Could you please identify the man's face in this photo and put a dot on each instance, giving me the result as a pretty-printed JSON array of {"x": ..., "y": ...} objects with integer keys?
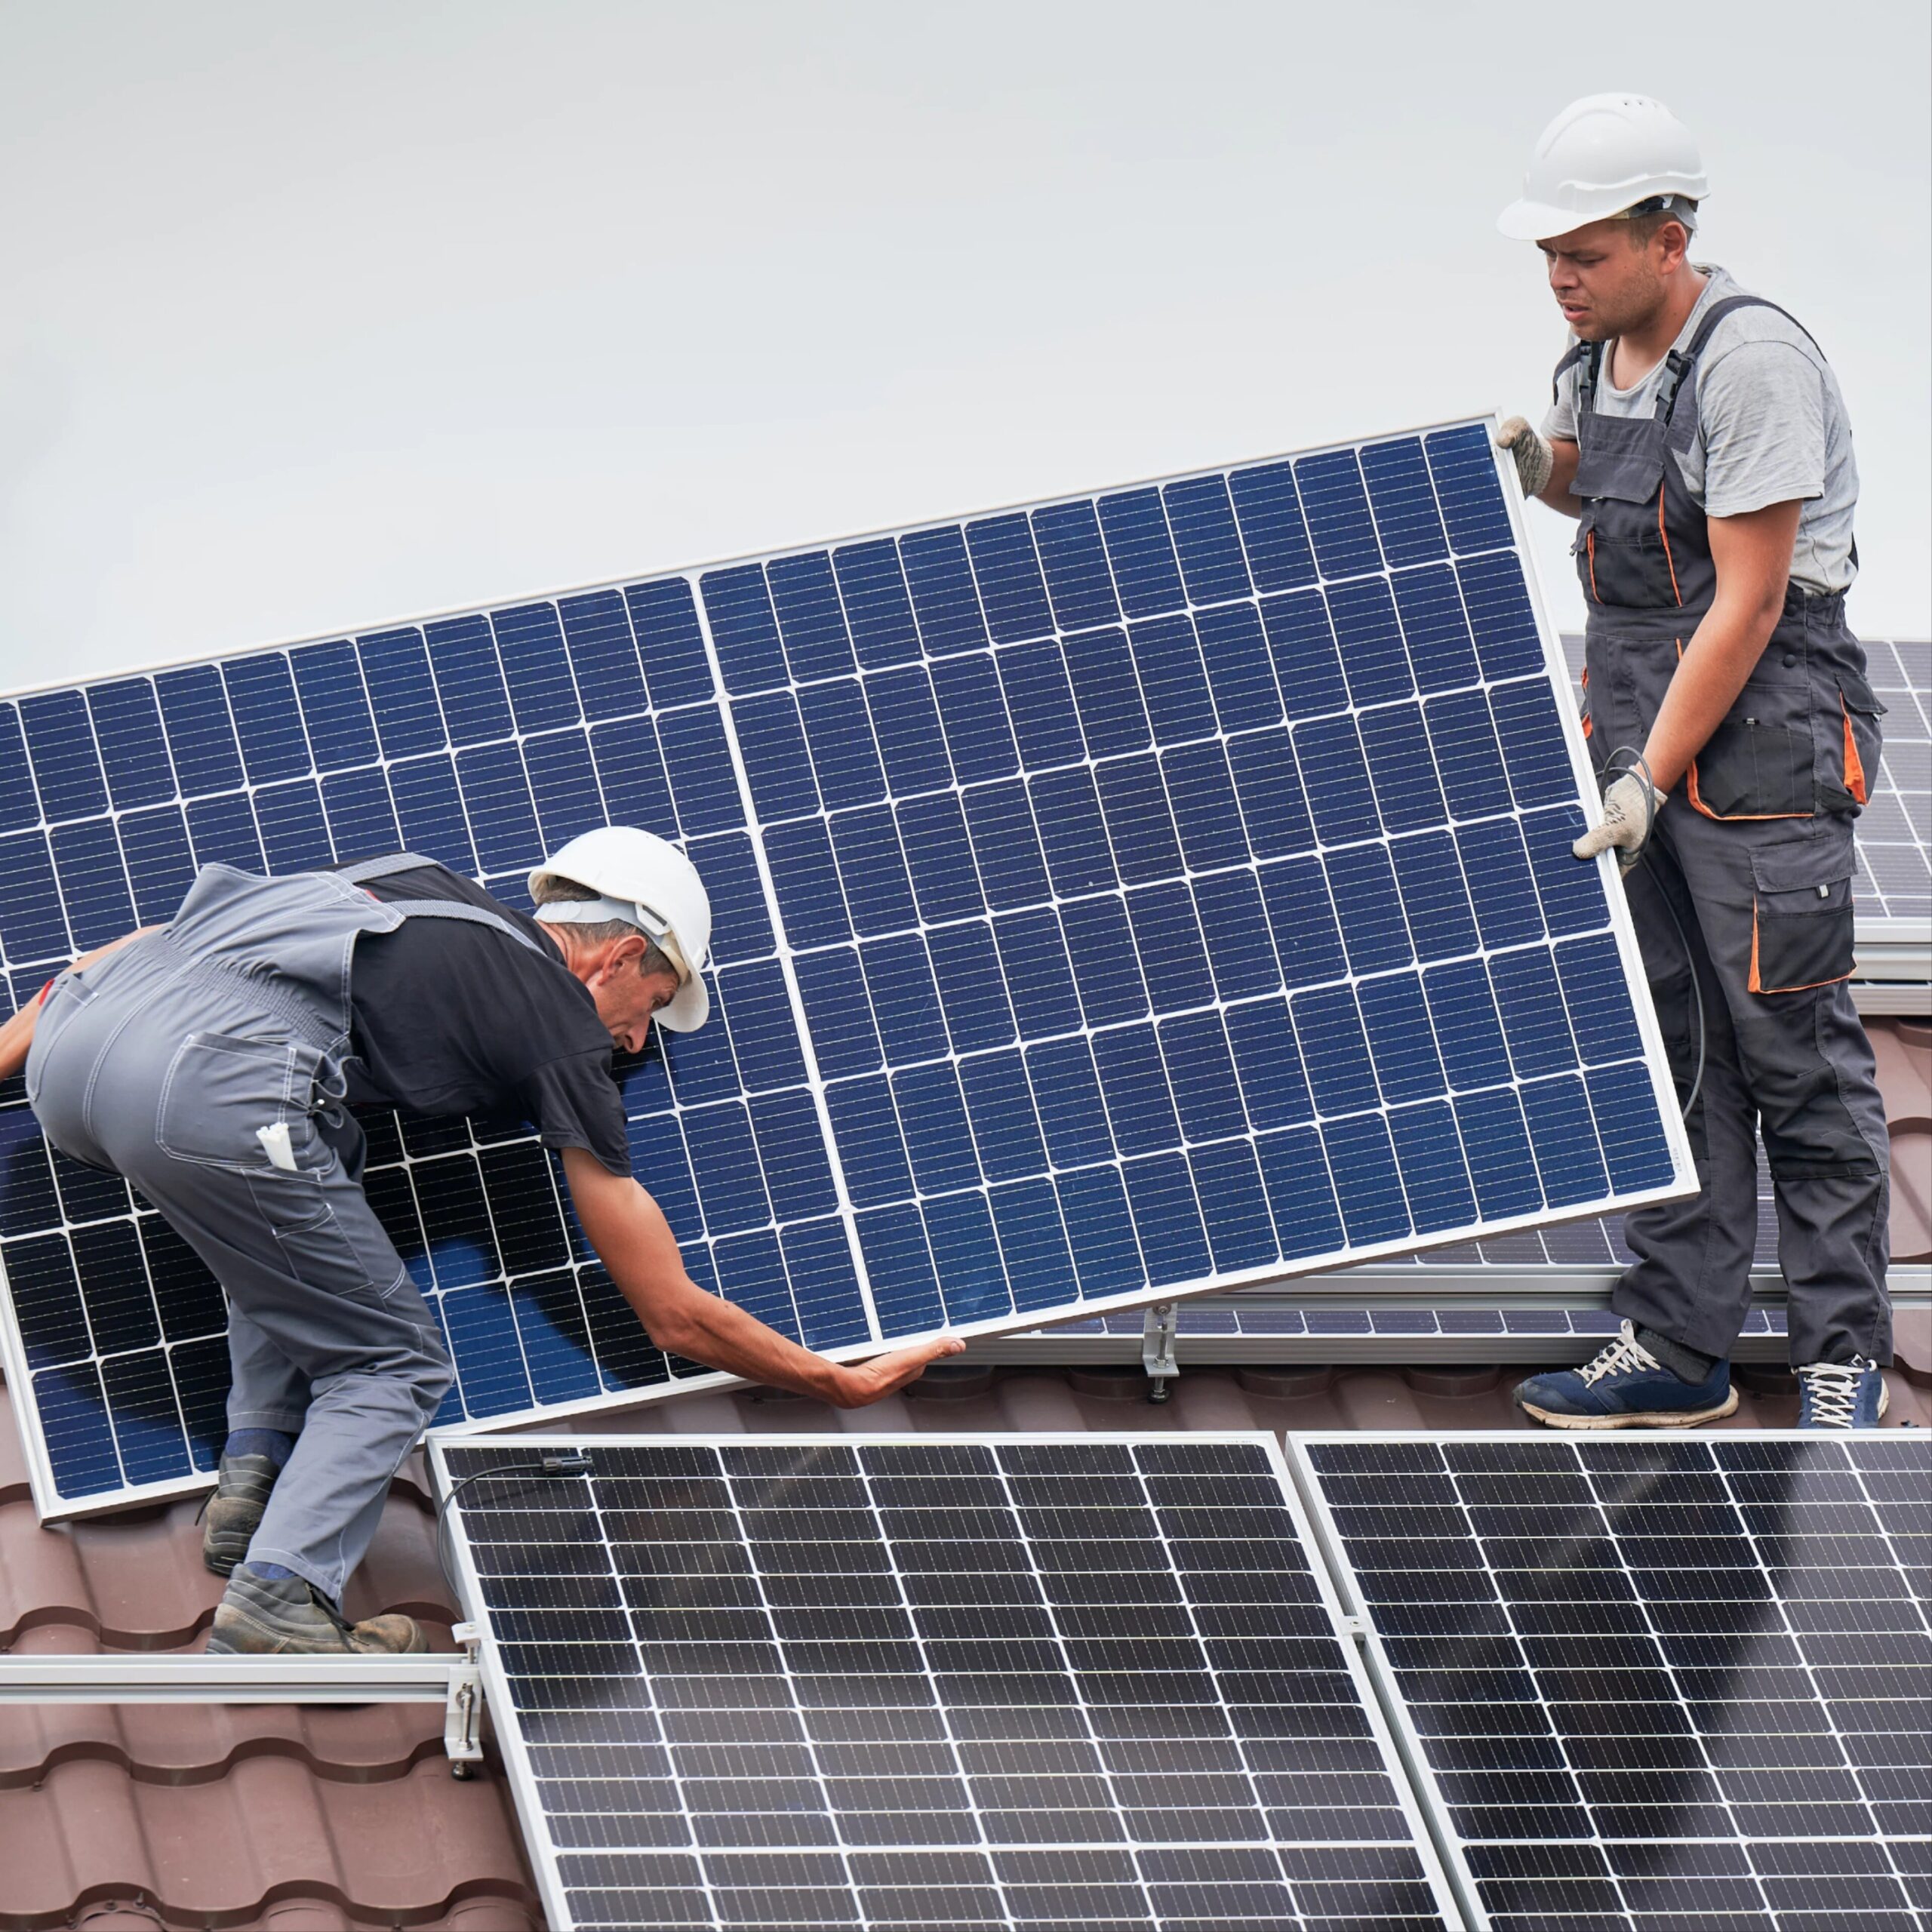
[
  {"x": 1605, "y": 285},
  {"x": 626, "y": 999}
]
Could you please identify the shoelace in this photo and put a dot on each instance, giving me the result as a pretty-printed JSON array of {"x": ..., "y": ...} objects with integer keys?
[
  {"x": 1624, "y": 1356},
  {"x": 1833, "y": 1389}
]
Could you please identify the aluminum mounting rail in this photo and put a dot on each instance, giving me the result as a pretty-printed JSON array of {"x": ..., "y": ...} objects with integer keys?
[{"x": 450, "y": 1679}]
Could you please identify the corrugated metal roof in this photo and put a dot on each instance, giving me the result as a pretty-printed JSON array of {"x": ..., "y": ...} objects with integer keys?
[{"x": 326, "y": 1820}]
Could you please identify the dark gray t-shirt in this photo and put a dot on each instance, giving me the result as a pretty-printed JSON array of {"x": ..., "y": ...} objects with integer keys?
[
  {"x": 452, "y": 1018},
  {"x": 1771, "y": 426}
]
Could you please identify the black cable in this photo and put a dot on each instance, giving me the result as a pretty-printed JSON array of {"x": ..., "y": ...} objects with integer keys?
[
  {"x": 1641, "y": 766},
  {"x": 558, "y": 1463}
]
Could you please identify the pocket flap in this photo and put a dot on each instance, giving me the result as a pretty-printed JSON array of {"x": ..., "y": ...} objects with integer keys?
[
  {"x": 1804, "y": 866},
  {"x": 1859, "y": 696}
]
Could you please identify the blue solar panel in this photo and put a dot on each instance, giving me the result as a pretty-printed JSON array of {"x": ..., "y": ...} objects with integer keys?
[{"x": 1139, "y": 894}]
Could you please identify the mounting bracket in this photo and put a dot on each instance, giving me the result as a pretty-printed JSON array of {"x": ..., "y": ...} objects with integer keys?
[
  {"x": 1157, "y": 1348},
  {"x": 462, "y": 1712}
]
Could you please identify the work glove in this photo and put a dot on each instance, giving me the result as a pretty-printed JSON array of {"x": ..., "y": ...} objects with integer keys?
[
  {"x": 1535, "y": 460},
  {"x": 1630, "y": 808}
]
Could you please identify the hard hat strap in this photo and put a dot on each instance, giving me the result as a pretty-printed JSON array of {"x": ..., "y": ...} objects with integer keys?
[{"x": 631, "y": 912}]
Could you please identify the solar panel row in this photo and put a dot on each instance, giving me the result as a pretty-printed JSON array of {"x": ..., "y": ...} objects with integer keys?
[
  {"x": 1682, "y": 1681},
  {"x": 1133, "y": 893},
  {"x": 1071, "y": 1682}
]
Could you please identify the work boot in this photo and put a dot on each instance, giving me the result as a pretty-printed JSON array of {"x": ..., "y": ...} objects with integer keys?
[
  {"x": 1626, "y": 1387},
  {"x": 288, "y": 1617},
  {"x": 233, "y": 1513},
  {"x": 1847, "y": 1395}
]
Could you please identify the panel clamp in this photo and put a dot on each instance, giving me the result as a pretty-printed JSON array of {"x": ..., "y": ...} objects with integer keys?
[
  {"x": 1157, "y": 1348},
  {"x": 462, "y": 1710}
]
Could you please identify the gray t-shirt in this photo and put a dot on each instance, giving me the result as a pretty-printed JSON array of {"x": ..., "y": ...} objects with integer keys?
[{"x": 1771, "y": 426}]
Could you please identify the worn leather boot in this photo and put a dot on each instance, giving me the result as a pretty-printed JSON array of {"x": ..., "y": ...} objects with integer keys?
[
  {"x": 288, "y": 1617},
  {"x": 234, "y": 1513}
]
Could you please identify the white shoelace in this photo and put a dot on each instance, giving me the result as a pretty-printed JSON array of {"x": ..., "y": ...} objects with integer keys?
[
  {"x": 1834, "y": 1391},
  {"x": 1625, "y": 1356}
]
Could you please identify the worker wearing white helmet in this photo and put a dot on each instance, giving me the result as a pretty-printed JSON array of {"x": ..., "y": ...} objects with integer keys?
[
  {"x": 1697, "y": 435},
  {"x": 208, "y": 1061}
]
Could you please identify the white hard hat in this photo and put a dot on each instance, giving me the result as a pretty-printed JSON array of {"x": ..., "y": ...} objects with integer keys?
[
  {"x": 647, "y": 881},
  {"x": 1601, "y": 156}
]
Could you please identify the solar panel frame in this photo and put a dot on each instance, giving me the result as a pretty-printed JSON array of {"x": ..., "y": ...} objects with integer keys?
[
  {"x": 546, "y": 1854},
  {"x": 751, "y": 638},
  {"x": 1732, "y": 1453}
]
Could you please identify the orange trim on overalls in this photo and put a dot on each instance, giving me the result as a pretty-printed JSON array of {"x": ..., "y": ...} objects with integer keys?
[
  {"x": 1667, "y": 557},
  {"x": 1854, "y": 766},
  {"x": 1754, "y": 984},
  {"x": 1590, "y": 547}
]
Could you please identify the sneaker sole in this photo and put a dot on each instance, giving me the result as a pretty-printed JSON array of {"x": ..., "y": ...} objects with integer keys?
[{"x": 1688, "y": 1419}]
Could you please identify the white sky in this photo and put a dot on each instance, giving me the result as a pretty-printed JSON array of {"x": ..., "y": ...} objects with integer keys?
[{"x": 313, "y": 317}]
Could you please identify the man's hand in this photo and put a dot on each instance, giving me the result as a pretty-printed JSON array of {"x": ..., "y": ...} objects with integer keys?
[
  {"x": 1630, "y": 808},
  {"x": 1535, "y": 462},
  {"x": 634, "y": 1242},
  {"x": 858, "y": 1383}
]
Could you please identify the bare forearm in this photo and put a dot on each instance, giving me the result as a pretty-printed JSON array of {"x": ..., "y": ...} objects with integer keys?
[
  {"x": 1753, "y": 554},
  {"x": 16, "y": 1039},
  {"x": 1563, "y": 473},
  {"x": 635, "y": 1242},
  {"x": 1717, "y": 662},
  {"x": 710, "y": 1329}
]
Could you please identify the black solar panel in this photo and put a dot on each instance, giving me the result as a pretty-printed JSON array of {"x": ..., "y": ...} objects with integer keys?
[
  {"x": 1680, "y": 1682},
  {"x": 1075, "y": 1684}
]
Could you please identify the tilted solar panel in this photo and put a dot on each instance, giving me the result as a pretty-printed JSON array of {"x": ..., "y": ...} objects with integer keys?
[
  {"x": 1159, "y": 889},
  {"x": 1078, "y": 1684},
  {"x": 1685, "y": 1680}
]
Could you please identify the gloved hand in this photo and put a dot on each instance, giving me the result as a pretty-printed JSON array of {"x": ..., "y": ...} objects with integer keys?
[
  {"x": 1630, "y": 808},
  {"x": 1535, "y": 460}
]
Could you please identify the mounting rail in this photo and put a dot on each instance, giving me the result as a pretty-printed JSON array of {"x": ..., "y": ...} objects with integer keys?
[{"x": 452, "y": 1680}]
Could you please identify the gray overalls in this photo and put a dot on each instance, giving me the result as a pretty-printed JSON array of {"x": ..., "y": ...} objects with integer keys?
[
  {"x": 163, "y": 1063},
  {"x": 1754, "y": 853}
]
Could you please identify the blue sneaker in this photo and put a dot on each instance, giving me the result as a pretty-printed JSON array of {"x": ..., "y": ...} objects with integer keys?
[
  {"x": 1626, "y": 1387},
  {"x": 1842, "y": 1394}
]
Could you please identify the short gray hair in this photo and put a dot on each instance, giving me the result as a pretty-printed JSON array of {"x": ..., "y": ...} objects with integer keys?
[{"x": 554, "y": 891}]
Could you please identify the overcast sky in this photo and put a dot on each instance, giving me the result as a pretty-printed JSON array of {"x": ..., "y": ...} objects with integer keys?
[{"x": 313, "y": 317}]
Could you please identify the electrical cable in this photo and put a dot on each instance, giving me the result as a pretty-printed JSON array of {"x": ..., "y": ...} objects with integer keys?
[
  {"x": 1641, "y": 765},
  {"x": 560, "y": 1462}
]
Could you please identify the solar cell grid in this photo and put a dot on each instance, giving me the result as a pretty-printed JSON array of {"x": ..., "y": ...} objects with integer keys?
[
  {"x": 1680, "y": 1681},
  {"x": 944, "y": 1684},
  {"x": 1136, "y": 893}
]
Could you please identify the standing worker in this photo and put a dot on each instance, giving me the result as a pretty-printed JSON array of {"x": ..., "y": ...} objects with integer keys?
[
  {"x": 208, "y": 1061},
  {"x": 1698, "y": 434}
]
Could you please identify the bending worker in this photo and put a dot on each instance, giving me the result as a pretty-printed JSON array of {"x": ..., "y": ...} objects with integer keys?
[
  {"x": 207, "y": 1061},
  {"x": 1698, "y": 435}
]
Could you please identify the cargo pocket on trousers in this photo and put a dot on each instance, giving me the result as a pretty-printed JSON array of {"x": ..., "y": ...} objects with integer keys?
[
  {"x": 1801, "y": 934},
  {"x": 1848, "y": 768}
]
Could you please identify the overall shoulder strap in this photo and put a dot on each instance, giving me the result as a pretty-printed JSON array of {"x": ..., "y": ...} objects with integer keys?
[
  {"x": 396, "y": 862},
  {"x": 1679, "y": 361},
  {"x": 1591, "y": 352},
  {"x": 433, "y": 908},
  {"x": 475, "y": 915}
]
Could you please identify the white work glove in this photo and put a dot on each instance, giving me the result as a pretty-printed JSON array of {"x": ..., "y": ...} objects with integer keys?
[
  {"x": 1630, "y": 808},
  {"x": 1535, "y": 460}
]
